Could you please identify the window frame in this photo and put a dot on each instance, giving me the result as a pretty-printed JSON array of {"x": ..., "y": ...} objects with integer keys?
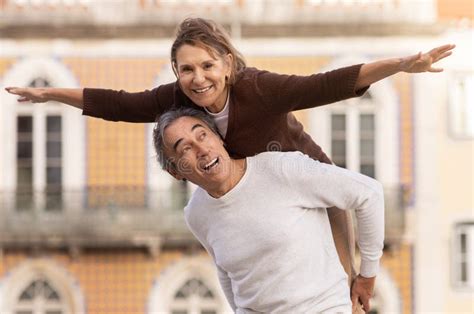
[
  {"x": 458, "y": 229},
  {"x": 454, "y": 131}
]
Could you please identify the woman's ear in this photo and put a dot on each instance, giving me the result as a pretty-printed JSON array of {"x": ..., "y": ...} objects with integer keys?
[
  {"x": 229, "y": 59},
  {"x": 175, "y": 70}
]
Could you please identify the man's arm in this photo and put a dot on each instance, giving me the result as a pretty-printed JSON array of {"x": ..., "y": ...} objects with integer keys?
[
  {"x": 420, "y": 62},
  {"x": 324, "y": 185},
  {"x": 226, "y": 285}
]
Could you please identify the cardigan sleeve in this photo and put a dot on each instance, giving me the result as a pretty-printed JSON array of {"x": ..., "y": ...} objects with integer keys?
[
  {"x": 120, "y": 105},
  {"x": 280, "y": 93}
]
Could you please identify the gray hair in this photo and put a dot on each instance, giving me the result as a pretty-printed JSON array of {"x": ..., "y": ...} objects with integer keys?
[{"x": 165, "y": 120}]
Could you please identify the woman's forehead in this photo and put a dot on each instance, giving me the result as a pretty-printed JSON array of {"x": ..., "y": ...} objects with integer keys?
[{"x": 188, "y": 53}]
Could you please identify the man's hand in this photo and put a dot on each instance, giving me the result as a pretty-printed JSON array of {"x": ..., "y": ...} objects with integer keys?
[
  {"x": 361, "y": 291},
  {"x": 423, "y": 62}
]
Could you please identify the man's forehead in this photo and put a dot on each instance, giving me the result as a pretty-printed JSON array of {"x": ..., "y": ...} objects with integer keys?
[
  {"x": 181, "y": 127},
  {"x": 186, "y": 124}
]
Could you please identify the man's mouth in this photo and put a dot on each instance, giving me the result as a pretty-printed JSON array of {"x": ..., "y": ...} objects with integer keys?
[
  {"x": 202, "y": 90},
  {"x": 211, "y": 164}
]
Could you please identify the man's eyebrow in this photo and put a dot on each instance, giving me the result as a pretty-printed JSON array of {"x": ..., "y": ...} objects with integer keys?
[{"x": 197, "y": 125}]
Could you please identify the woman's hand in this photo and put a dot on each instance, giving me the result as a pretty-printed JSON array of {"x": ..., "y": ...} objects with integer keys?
[
  {"x": 35, "y": 95},
  {"x": 69, "y": 96},
  {"x": 423, "y": 62}
]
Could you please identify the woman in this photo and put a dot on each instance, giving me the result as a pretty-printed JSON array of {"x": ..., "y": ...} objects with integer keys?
[{"x": 251, "y": 107}]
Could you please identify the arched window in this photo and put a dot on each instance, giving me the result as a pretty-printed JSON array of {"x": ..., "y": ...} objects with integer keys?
[
  {"x": 40, "y": 297},
  {"x": 40, "y": 286},
  {"x": 189, "y": 286},
  {"x": 194, "y": 297},
  {"x": 43, "y": 151}
]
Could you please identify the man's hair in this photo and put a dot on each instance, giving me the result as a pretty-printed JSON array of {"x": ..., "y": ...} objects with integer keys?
[
  {"x": 210, "y": 36},
  {"x": 165, "y": 120}
]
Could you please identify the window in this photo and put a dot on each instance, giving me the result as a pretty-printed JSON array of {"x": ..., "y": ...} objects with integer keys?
[
  {"x": 39, "y": 297},
  {"x": 172, "y": 194},
  {"x": 194, "y": 297},
  {"x": 461, "y": 105},
  {"x": 353, "y": 130},
  {"x": 188, "y": 286},
  {"x": 463, "y": 255},
  {"x": 39, "y": 155},
  {"x": 43, "y": 154}
]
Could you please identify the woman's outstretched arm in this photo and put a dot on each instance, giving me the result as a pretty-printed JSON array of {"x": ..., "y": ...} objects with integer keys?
[
  {"x": 70, "y": 96},
  {"x": 418, "y": 63}
]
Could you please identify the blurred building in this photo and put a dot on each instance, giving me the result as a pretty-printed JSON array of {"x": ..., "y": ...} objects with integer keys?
[
  {"x": 90, "y": 224},
  {"x": 443, "y": 203}
]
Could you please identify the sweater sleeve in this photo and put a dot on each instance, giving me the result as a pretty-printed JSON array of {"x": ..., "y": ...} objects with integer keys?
[
  {"x": 226, "y": 285},
  {"x": 120, "y": 105},
  {"x": 323, "y": 185},
  {"x": 285, "y": 93},
  {"x": 224, "y": 279}
]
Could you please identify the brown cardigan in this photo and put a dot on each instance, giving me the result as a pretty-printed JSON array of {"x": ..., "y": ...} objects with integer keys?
[{"x": 261, "y": 102}]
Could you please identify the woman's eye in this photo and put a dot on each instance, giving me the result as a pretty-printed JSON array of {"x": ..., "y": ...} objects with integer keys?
[
  {"x": 185, "y": 70},
  {"x": 208, "y": 65}
]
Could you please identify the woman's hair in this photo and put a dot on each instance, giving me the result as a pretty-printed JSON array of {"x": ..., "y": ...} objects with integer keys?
[
  {"x": 168, "y": 118},
  {"x": 210, "y": 36}
]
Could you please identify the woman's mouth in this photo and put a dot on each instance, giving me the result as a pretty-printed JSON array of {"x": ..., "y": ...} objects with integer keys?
[{"x": 201, "y": 90}]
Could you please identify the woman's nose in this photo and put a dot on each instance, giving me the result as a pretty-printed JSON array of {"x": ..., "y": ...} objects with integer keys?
[{"x": 198, "y": 77}]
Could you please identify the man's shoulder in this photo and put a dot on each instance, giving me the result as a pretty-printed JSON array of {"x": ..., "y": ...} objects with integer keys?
[
  {"x": 272, "y": 156},
  {"x": 197, "y": 199},
  {"x": 276, "y": 162}
]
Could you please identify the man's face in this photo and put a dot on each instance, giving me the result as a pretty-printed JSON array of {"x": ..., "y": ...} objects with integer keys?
[{"x": 197, "y": 152}]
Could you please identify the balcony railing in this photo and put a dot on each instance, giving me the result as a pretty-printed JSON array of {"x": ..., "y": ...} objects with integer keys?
[
  {"x": 122, "y": 217},
  {"x": 105, "y": 217}
]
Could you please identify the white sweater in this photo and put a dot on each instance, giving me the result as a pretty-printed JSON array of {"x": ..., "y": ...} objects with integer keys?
[{"x": 270, "y": 236}]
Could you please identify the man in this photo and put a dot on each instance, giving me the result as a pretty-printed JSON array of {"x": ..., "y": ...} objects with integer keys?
[{"x": 263, "y": 219}]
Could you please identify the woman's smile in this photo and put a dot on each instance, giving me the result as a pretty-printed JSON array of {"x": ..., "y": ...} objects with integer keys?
[{"x": 202, "y": 76}]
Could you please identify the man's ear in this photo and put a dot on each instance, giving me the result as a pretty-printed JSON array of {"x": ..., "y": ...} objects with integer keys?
[{"x": 173, "y": 172}]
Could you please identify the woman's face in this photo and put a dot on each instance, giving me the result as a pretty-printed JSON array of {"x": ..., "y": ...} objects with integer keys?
[{"x": 202, "y": 77}]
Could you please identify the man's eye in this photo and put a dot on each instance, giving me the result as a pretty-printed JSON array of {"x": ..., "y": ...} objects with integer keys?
[{"x": 203, "y": 135}]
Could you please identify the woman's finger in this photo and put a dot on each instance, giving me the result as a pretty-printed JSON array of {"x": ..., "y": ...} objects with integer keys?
[
  {"x": 443, "y": 55},
  {"x": 442, "y": 49},
  {"x": 12, "y": 90},
  {"x": 435, "y": 70}
]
